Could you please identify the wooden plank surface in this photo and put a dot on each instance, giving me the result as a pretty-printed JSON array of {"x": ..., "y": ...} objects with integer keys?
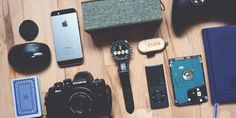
[{"x": 98, "y": 59}]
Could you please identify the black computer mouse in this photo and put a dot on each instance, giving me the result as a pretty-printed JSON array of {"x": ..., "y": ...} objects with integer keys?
[{"x": 29, "y": 57}]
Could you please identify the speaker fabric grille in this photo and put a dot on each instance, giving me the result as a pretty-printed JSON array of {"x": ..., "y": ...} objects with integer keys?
[{"x": 102, "y": 14}]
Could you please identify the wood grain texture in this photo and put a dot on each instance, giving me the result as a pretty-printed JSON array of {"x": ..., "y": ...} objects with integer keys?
[{"x": 98, "y": 59}]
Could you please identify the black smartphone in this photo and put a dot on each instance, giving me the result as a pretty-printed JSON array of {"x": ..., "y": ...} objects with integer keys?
[{"x": 67, "y": 38}]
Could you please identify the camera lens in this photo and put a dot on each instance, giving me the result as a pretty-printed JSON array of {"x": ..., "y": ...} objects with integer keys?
[{"x": 80, "y": 103}]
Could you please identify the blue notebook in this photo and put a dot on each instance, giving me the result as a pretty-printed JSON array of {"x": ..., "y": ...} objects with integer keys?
[{"x": 220, "y": 49}]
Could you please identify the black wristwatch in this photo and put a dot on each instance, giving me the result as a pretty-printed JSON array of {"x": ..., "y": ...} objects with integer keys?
[{"x": 121, "y": 52}]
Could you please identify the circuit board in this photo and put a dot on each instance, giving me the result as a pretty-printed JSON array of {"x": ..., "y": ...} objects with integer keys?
[{"x": 188, "y": 80}]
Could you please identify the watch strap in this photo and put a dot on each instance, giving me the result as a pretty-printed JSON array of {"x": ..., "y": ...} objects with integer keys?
[{"x": 127, "y": 91}]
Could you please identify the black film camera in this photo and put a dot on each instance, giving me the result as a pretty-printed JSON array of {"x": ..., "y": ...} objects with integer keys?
[{"x": 81, "y": 98}]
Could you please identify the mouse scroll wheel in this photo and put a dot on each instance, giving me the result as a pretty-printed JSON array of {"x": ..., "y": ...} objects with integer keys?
[{"x": 37, "y": 54}]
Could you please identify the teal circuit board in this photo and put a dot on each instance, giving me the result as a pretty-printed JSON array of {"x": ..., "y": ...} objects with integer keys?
[{"x": 188, "y": 80}]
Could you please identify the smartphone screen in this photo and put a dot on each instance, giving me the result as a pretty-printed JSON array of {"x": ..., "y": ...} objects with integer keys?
[{"x": 66, "y": 36}]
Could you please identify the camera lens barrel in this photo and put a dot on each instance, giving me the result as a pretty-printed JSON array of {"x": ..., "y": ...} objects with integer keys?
[{"x": 80, "y": 103}]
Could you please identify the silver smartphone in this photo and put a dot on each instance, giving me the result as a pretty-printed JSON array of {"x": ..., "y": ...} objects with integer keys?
[{"x": 67, "y": 39}]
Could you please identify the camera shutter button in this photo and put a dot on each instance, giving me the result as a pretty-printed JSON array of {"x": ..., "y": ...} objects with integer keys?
[
  {"x": 67, "y": 82},
  {"x": 58, "y": 85}
]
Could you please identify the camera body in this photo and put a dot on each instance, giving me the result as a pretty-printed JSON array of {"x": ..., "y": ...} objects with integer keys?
[{"x": 81, "y": 98}]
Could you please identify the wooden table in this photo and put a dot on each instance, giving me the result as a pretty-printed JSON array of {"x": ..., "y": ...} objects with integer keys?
[{"x": 99, "y": 62}]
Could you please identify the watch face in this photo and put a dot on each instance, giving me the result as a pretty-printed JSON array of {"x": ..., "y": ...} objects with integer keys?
[{"x": 121, "y": 50}]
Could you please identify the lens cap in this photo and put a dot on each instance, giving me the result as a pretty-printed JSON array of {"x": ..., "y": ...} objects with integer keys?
[{"x": 28, "y": 30}]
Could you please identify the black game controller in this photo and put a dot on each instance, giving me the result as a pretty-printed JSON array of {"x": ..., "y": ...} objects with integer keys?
[{"x": 188, "y": 11}]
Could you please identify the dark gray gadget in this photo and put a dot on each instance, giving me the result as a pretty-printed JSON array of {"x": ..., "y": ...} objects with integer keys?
[
  {"x": 67, "y": 39},
  {"x": 156, "y": 86}
]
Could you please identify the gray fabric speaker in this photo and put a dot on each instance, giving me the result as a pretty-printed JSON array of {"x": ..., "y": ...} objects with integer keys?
[{"x": 103, "y": 14}]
